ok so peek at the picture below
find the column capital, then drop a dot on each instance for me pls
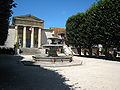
(16, 27)
(24, 26)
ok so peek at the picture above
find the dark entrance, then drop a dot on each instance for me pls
(28, 43)
(28, 37)
(36, 37)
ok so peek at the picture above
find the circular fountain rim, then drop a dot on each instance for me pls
(56, 64)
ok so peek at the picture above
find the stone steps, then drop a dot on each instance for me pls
(30, 51)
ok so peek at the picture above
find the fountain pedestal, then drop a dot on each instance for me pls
(52, 49)
(52, 52)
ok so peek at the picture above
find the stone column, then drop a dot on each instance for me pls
(16, 34)
(39, 37)
(24, 37)
(32, 37)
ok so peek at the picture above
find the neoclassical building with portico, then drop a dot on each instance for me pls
(29, 32)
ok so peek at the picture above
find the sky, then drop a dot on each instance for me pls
(53, 12)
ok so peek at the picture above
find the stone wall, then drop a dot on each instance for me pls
(11, 37)
(45, 35)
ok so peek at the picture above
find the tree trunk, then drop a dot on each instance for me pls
(90, 51)
(106, 52)
(97, 52)
(85, 52)
(79, 51)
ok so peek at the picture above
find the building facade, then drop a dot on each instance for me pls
(29, 32)
(59, 32)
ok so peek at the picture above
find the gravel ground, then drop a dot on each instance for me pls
(93, 74)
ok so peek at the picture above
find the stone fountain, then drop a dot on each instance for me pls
(52, 52)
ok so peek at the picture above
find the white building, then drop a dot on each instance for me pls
(28, 31)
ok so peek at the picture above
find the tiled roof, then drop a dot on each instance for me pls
(58, 31)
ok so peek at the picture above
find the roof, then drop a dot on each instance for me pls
(57, 28)
(48, 29)
(58, 31)
(27, 16)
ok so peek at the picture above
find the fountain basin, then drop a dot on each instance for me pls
(52, 59)
(52, 52)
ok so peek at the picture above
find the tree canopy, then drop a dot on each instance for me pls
(74, 32)
(100, 25)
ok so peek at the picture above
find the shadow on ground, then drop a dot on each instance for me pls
(15, 76)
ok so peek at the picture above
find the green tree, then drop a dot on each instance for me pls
(73, 30)
(98, 25)
(106, 15)
(89, 33)
(92, 36)
(5, 14)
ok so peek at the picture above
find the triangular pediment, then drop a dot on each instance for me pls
(28, 17)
